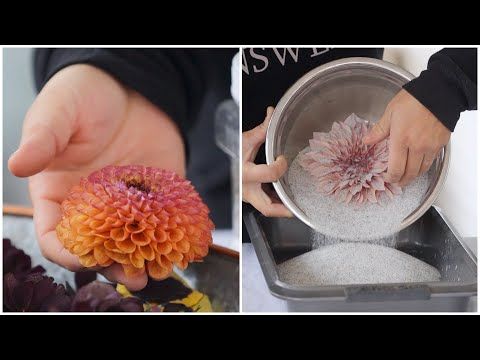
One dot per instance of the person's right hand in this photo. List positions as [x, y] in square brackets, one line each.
[254, 175]
[81, 121]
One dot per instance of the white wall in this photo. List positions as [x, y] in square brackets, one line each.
[459, 195]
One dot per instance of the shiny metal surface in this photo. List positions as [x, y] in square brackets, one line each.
[330, 93]
[431, 239]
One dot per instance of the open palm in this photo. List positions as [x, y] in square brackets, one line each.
[81, 121]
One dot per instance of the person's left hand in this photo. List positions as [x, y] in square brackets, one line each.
[416, 137]
[83, 120]
[255, 175]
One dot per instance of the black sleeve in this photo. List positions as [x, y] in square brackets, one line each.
[169, 78]
[449, 85]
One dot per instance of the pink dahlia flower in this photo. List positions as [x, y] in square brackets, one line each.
[345, 167]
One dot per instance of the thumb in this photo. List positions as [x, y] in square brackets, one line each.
[47, 129]
[253, 139]
[379, 131]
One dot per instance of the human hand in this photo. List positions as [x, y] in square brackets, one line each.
[81, 121]
[416, 137]
[254, 175]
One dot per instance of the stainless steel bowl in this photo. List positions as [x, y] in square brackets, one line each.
[330, 93]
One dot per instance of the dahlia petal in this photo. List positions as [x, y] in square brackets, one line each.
[81, 249]
[177, 234]
[113, 222]
[157, 272]
[140, 239]
[182, 265]
[377, 183]
[100, 255]
[97, 240]
[119, 234]
[371, 195]
[118, 257]
[137, 259]
[182, 246]
[79, 218]
[360, 198]
[163, 248]
[394, 188]
[388, 192]
[85, 230]
[111, 245]
[160, 235]
[87, 260]
[131, 271]
[127, 246]
[172, 224]
[134, 228]
[147, 252]
[348, 198]
[356, 189]
[174, 256]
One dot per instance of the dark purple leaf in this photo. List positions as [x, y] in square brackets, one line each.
[102, 297]
[84, 278]
[36, 292]
[17, 262]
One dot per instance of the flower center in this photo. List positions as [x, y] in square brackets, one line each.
[360, 161]
[139, 185]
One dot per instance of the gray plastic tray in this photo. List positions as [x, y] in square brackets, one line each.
[430, 239]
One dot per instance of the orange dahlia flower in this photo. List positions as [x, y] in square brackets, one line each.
[144, 218]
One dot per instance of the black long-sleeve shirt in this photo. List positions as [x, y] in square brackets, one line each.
[188, 84]
[449, 85]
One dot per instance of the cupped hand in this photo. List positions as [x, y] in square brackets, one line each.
[83, 120]
[416, 137]
[255, 175]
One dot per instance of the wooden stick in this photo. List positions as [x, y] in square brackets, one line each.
[223, 250]
[19, 210]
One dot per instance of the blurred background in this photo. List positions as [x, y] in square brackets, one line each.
[18, 95]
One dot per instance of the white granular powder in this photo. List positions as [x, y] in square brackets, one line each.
[352, 222]
[355, 263]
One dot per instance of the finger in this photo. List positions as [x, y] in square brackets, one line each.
[46, 216]
[412, 168]
[427, 162]
[265, 173]
[53, 250]
[115, 273]
[264, 204]
[253, 139]
[397, 161]
[379, 131]
[47, 129]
